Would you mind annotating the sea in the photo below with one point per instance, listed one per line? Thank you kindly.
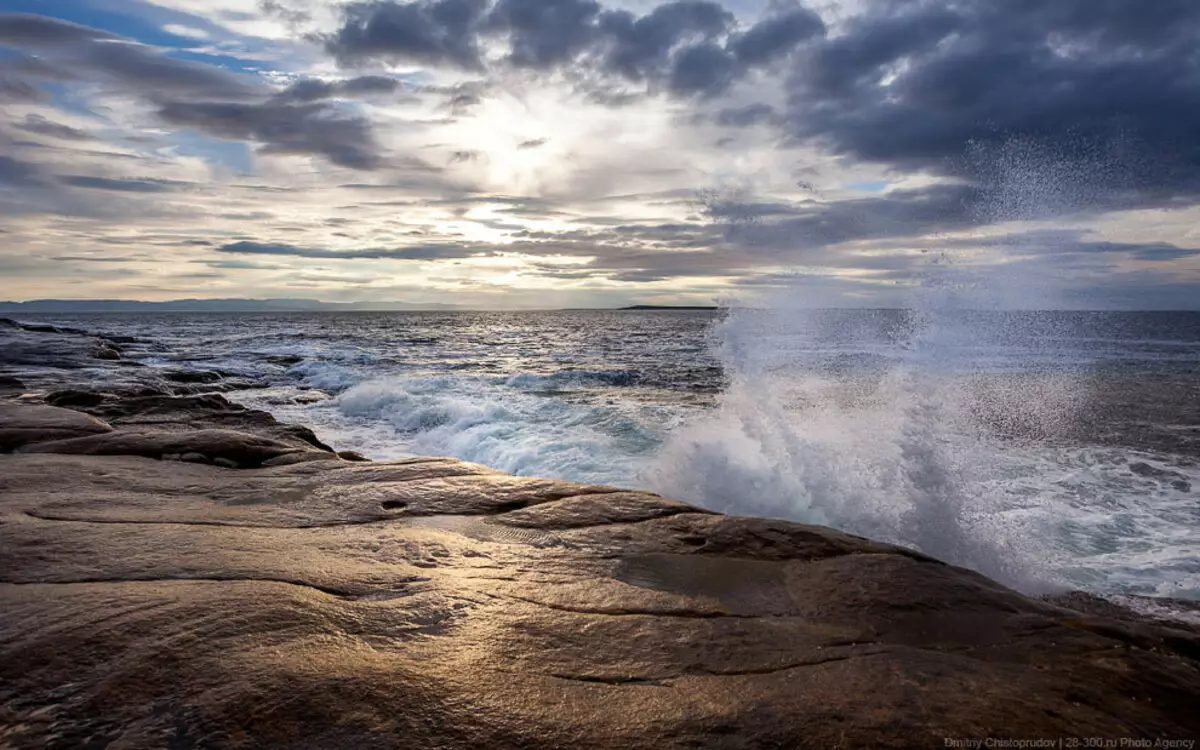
(1046, 449)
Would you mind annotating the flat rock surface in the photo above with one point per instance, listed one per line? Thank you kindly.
(432, 603)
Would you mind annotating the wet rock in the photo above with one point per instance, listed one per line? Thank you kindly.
(225, 463)
(434, 603)
(193, 376)
(210, 410)
(11, 385)
(106, 352)
(241, 447)
(1182, 485)
(73, 399)
(194, 458)
(284, 360)
(24, 425)
(352, 456)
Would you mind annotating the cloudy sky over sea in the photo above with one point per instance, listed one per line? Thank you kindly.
(544, 153)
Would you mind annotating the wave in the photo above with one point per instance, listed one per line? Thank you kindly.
(497, 424)
(897, 455)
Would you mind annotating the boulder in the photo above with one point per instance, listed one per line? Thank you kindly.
(23, 425)
(209, 410)
(435, 603)
(241, 447)
(106, 352)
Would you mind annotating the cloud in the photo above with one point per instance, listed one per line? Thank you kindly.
(19, 29)
(126, 186)
(94, 53)
(702, 69)
(430, 32)
(639, 47)
(775, 36)
(18, 91)
(747, 116)
(210, 99)
(687, 47)
(283, 128)
(533, 143)
(38, 124)
(1107, 89)
(18, 173)
(313, 89)
(418, 252)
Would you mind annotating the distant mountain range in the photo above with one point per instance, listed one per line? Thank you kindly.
(209, 305)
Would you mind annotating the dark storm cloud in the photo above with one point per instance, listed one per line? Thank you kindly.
(419, 252)
(1111, 89)
(702, 69)
(688, 47)
(431, 32)
(40, 125)
(775, 36)
(640, 46)
(544, 34)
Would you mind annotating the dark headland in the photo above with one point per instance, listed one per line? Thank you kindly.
(179, 571)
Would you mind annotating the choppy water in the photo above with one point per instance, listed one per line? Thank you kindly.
(1041, 448)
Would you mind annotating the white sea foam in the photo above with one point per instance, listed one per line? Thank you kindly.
(504, 422)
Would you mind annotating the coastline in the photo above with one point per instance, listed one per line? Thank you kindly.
(181, 570)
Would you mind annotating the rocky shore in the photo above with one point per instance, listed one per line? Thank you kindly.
(179, 571)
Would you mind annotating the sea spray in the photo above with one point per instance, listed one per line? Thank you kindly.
(887, 453)
(917, 452)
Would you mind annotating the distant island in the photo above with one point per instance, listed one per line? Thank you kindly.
(670, 307)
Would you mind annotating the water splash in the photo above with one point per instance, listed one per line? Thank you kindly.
(917, 449)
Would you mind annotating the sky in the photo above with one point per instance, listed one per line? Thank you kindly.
(576, 153)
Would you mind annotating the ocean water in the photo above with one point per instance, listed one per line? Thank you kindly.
(1045, 449)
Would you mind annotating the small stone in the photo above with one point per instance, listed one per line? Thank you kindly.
(194, 458)
(1182, 485)
(225, 463)
(170, 457)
